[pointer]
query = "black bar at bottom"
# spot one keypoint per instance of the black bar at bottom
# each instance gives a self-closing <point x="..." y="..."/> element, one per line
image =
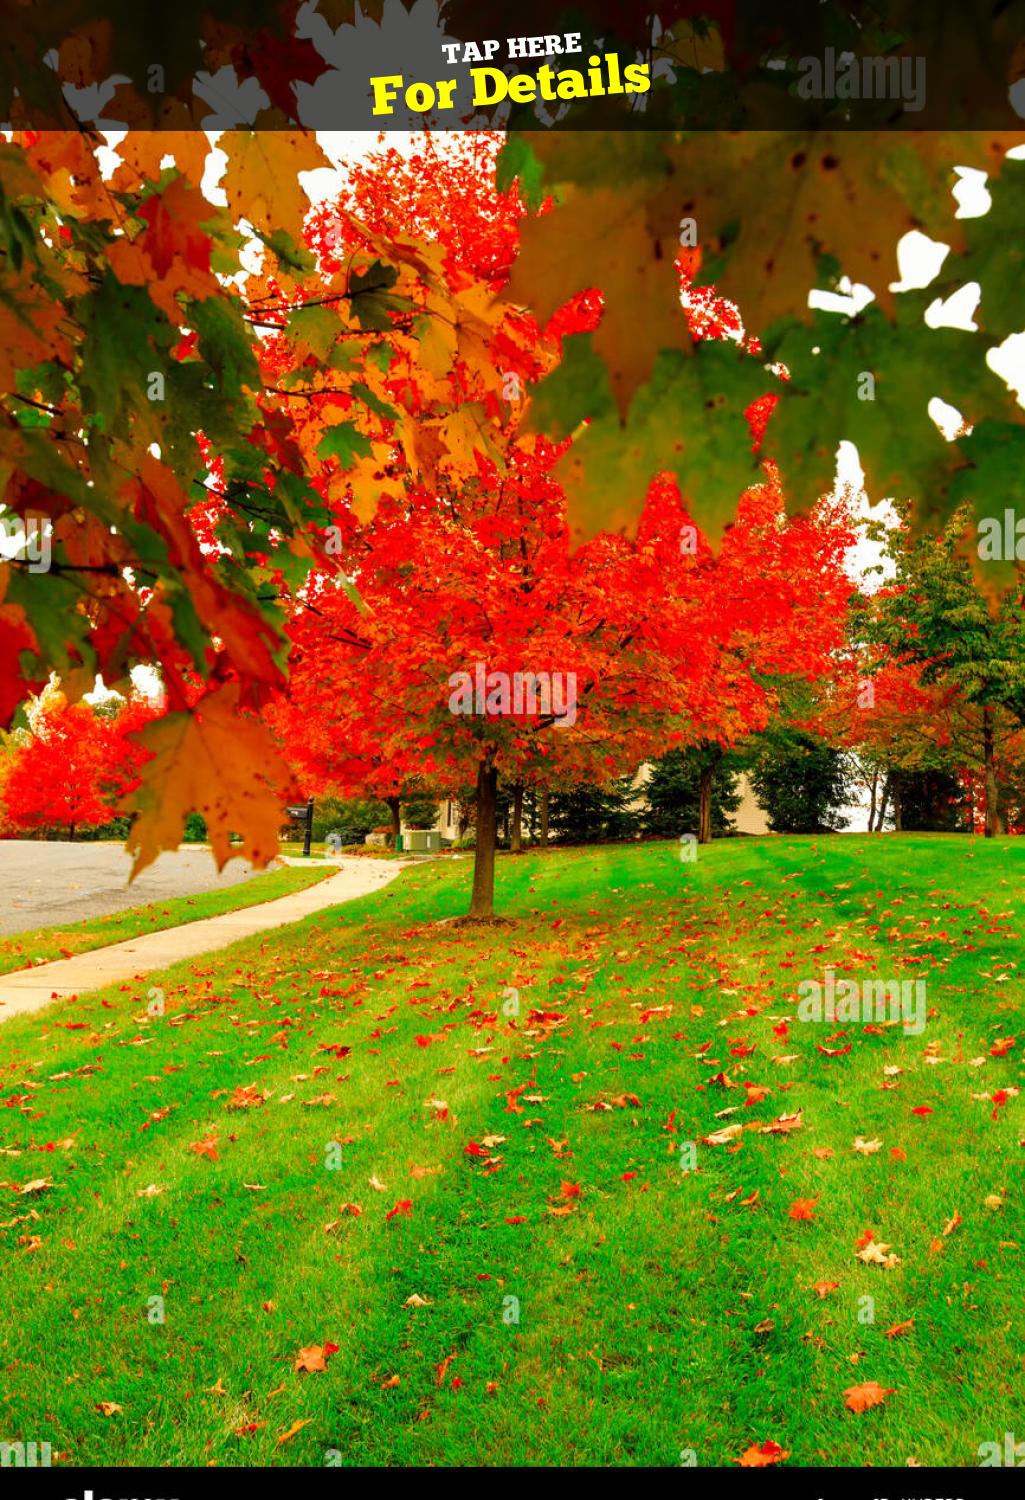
<point x="791" y="1483"/>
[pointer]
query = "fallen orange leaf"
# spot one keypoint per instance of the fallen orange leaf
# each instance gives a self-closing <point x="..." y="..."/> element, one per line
<point x="297" y="1426"/>
<point x="861" y="1398"/>
<point x="760" y="1458"/>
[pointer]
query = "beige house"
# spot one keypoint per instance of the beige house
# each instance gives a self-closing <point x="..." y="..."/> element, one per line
<point x="749" y="817"/>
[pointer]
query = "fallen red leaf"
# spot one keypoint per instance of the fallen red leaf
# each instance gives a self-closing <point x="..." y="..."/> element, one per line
<point x="761" y="1457"/>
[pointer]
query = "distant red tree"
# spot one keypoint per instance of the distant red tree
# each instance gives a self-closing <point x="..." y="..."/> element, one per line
<point x="75" y="765"/>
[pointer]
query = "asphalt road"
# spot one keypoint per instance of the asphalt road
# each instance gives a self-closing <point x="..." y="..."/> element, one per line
<point x="48" y="885"/>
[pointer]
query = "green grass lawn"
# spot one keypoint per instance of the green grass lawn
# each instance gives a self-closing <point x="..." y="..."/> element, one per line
<point x="336" y="1137"/>
<point x="46" y="943"/>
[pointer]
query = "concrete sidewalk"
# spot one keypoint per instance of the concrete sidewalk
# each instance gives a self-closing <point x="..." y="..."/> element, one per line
<point x="31" y="989"/>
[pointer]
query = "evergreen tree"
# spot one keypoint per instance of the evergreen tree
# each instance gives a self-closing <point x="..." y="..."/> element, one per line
<point x="801" y="783"/>
<point x="588" y="814"/>
<point x="672" y="794"/>
<point x="932" y="802"/>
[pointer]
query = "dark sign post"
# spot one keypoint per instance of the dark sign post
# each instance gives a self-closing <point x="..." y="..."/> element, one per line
<point x="304" y="815"/>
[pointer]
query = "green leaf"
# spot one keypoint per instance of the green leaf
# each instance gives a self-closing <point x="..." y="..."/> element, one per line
<point x="870" y="381"/>
<point x="989" y="481"/>
<point x="995" y="257"/>
<point x="518" y="164"/>
<point x="370" y="398"/>
<point x="577" y="390"/>
<point x="225" y="344"/>
<point x="294" y="257"/>
<point x="122" y="330"/>
<point x="345" y="443"/>
<point x="317" y="327"/>
<point x="369" y="298"/>
<point x="689" y="419"/>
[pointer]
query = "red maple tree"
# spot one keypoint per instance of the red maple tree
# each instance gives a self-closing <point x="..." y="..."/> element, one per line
<point x="461" y="590"/>
<point x="75" y="764"/>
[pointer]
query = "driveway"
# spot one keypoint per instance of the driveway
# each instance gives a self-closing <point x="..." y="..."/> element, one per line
<point x="54" y="884"/>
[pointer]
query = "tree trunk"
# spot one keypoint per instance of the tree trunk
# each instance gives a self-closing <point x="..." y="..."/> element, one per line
<point x="705" y="805"/>
<point x="516" y="827"/>
<point x="542" y="798"/>
<point x="992" y="795"/>
<point x="883" y="800"/>
<point x="872" y="803"/>
<point x="898" y="805"/>
<point x="394" y="808"/>
<point x="71" y="832"/>
<point x="482" y="901"/>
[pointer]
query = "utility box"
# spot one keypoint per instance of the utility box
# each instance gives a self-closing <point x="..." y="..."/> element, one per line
<point x="421" y="841"/>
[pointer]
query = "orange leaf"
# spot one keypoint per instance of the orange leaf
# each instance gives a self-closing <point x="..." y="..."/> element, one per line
<point x="863" y="1397"/>
<point x="314" y="1357"/>
<point x="217" y="761"/>
<point x="760" y="1458"/>
<point x="297" y="1426"/>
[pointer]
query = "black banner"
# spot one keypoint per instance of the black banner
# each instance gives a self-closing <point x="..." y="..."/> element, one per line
<point x="449" y="65"/>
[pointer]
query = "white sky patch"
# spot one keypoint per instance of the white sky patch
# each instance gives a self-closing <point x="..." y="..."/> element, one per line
<point x="957" y="310"/>
<point x="971" y="193"/>
<point x="1008" y="361"/>
<point x="865" y="554"/>
<point x="947" y="418"/>
<point x="145" y="680"/>
<point x="918" y="260"/>
<point x="343" y="147"/>
<point x="850" y="297"/>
